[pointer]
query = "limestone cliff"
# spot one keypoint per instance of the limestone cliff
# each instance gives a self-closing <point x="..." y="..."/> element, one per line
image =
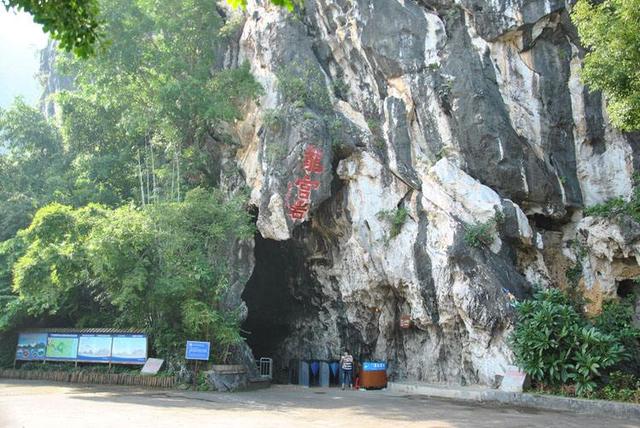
<point x="390" y="131"/>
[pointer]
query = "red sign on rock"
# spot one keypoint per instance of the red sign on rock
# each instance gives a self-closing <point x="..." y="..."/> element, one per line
<point x="311" y="164"/>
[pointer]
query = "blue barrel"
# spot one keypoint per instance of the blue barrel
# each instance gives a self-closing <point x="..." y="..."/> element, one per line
<point x="303" y="373"/>
<point x="315" y="368"/>
<point x="335" y="368"/>
<point x="324" y="374"/>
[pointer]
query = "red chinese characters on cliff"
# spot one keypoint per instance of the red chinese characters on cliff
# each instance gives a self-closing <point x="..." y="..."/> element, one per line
<point x="311" y="164"/>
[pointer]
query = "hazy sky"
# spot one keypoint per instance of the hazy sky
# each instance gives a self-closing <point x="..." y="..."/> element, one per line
<point x="20" y="40"/>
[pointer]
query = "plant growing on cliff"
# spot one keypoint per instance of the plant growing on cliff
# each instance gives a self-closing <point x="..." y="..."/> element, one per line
<point x="273" y="119"/>
<point x="618" y="205"/>
<point x="340" y="89"/>
<point x="610" y="29"/>
<point x="304" y="83"/>
<point x="396" y="219"/>
<point x="480" y="233"/>
<point x="555" y="345"/>
<point x="288" y="4"/>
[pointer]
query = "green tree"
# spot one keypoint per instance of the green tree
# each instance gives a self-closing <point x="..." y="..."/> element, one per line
<point x="76" y="24"/>
<point x="157" y="92"/>
<point x="610" y="29"/>
<point x="138" y="134"/>
<point x="32" y="165"/>
<point x="165" y="268"/>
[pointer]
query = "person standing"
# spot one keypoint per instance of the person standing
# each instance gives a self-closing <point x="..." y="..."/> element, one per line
<point x="346" y="364"/>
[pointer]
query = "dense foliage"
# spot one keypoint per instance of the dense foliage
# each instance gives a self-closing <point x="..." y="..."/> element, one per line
<point x="32" y="165"/>
<point x="109" y="212"/>
<point x="78" y="26"/>
<point x="556" y="345"/>
<point x="164" y="267"/>
<point x="611" y="31"/>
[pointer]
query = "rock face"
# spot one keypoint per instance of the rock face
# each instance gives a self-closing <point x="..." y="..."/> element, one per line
<point x="427" y="159"/>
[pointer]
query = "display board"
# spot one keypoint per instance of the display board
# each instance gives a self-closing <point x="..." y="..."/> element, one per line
<point x="129" y="349"/>
<point x="82" y="347"/>
<point x="152" y="366"/>
<point x="62" y="346"/>
<point x="374" y="366"/>
<point x="197" y="350"/>
<point x="31" y="346"/>
<point x="95" y="348"/>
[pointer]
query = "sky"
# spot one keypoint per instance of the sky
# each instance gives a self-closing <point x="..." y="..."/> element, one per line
<point x="20" y="40"/>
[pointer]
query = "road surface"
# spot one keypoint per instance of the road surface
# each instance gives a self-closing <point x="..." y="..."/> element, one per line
<point x="27" y="404"/>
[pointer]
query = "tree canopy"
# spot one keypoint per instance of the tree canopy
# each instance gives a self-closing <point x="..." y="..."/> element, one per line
<point x="610" y="29"/>
<point x="77" y="26"/>
<point x="164" y="268"/>
<point x="109" y="212"/>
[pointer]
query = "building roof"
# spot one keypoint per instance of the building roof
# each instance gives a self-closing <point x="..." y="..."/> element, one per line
<point x="85" y="330"/>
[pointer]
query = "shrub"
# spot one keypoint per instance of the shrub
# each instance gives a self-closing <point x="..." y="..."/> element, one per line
<point x="618" y="205"/>
<point x="304" y="83"/>
<point x="477" y="234"/>
<point x="555" y="345"/>
<point x="396" y="219"/>
<point x="340" y="89"/>
<point x="616" y="319"/>
<point x="273" y="119"/>
<point x="621" y="387"/>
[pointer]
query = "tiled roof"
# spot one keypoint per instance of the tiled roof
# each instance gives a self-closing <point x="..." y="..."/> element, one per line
<point x="86" y="330"/>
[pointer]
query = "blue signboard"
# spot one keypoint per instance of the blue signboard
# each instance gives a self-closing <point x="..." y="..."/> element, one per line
<point x="374" y="366"/>
<point x="31" y="346"/>
<point x="129" y="349"/>
<point x="197" y="350"/>
<point x="95" y="348"/>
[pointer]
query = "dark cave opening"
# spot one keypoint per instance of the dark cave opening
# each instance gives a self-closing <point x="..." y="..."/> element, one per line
<point x="268" y="298"/>
<point x="274" y="296"/>
<point x="625" y="288"/>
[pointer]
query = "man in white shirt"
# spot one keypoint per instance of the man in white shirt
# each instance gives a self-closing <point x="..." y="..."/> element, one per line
<point x="346" y="364"/>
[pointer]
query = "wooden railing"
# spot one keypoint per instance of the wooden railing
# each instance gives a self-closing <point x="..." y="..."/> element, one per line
<point x="91" y="378"/>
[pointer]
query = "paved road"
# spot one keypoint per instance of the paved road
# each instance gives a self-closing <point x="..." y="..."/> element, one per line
<point x="26" y="404"/>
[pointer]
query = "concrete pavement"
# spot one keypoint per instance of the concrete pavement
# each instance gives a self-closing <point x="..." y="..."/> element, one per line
<point x="26" y="404"/>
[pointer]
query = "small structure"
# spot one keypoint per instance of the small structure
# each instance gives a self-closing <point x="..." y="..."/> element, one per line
<point x="228" y="377"/>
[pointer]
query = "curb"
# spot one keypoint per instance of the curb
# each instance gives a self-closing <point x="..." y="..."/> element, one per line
<point x="535" y="401"/>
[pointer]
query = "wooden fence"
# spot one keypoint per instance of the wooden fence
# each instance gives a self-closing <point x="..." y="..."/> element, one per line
<point x="91" y="378"/>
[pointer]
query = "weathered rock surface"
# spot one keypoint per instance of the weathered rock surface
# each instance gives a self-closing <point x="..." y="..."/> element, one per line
<point x="388" y="130"/>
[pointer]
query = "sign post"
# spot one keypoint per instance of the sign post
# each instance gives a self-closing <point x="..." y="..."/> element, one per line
<point x="152" y="366"/>
<point x="405" y="322"/>
<point x="514" y="380"/>
<point x="198" y="351"/>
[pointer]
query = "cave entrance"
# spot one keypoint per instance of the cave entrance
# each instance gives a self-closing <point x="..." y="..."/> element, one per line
<point x="625" y="288"/>
<point x="269" y="295"/>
